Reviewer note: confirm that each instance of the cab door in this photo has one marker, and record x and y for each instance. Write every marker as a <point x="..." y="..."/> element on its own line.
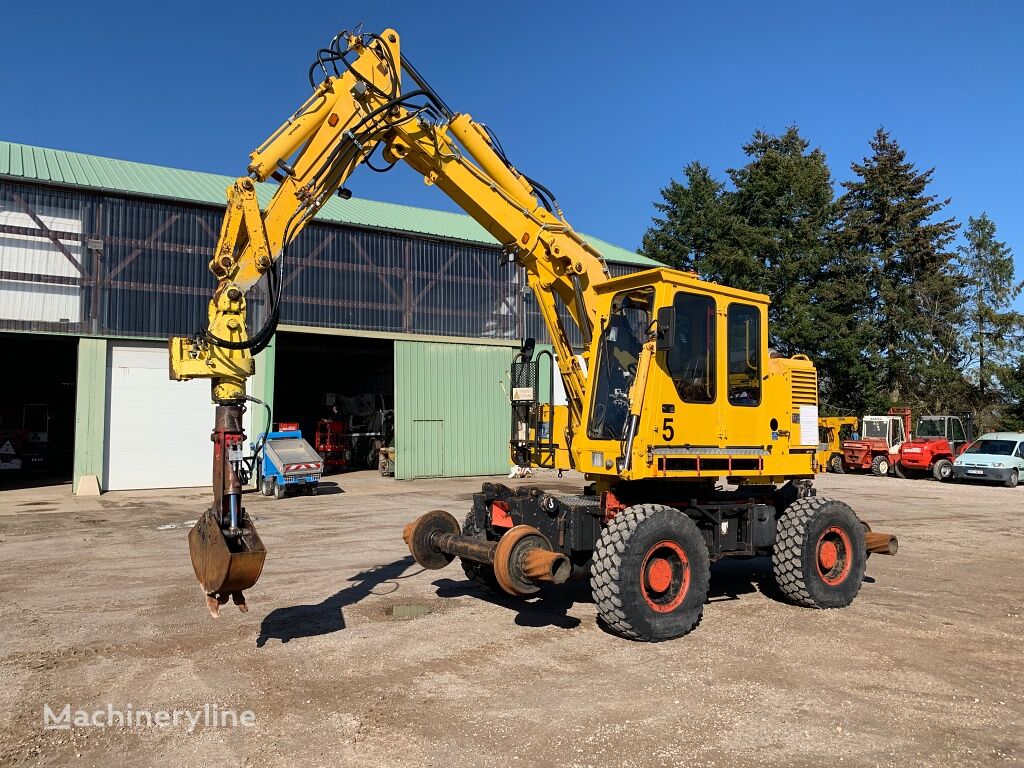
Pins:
<point x="687" y="411"/>
<point x="743" y="363"/>
<point x="896" y="434"/>
<point x="957" y="436"/>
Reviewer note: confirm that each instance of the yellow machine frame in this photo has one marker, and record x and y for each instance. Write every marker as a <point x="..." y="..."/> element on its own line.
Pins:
<point x="829" y="440"/>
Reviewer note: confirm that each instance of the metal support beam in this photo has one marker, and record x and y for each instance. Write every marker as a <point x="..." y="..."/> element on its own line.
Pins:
<point x="46" y="231"/>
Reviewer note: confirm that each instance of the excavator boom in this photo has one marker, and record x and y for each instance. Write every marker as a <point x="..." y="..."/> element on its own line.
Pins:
<point x="357" y="108"/>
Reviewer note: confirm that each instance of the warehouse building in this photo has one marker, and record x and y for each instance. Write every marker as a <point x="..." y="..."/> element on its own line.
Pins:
<point x="102" y="260"/>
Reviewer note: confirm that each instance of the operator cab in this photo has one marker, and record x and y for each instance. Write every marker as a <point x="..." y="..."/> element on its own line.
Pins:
<point x="949" y="427"/>
<point x="888" y="428"/>
<point x="708" y="400"/>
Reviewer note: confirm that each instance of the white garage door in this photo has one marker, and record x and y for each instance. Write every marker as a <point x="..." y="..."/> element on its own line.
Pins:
<point x="158" y="430"/>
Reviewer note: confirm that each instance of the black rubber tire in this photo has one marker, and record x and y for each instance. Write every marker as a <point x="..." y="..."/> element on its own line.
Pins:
<point x="267" y="486"/>
<point x="942" y="470"/>
<point x="617" y="562"/>
<point x="835" y="464"/>
<point x="794" y="557"/>
<point x="1012" y="479"/>
<point x="278" y="490"/>
<point x="898" y="470"/>
<point x="480" y="574"/>
<point x="877" y="465"/>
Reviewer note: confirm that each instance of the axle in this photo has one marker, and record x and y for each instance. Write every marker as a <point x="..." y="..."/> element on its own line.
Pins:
<point x="521" y="559"/>
<point x="881" y="543"/>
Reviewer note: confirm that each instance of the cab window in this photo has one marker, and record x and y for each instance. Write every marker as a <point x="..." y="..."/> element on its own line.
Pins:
<point x="957" y="431"/>
<point x="618" y="355"/>
<point x="691" y="360"/>
<point x="744" y="354"/>
<point x="1020" y="450"/>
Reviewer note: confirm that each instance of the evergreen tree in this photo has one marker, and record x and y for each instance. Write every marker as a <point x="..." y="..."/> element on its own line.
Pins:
<point x="1011" y="416"/>
<point x="693" y="224"/>
<point x="783" y="211"/>
<point x="911" y="307"/>
<point x="771" y="234"/>
<point x="844" y="358"/>
<point x="992" y="331"/>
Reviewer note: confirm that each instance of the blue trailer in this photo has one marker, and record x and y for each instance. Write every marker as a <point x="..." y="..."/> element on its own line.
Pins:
<point x="288" y="463"/>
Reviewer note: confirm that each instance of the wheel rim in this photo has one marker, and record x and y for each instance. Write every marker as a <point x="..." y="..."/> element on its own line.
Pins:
<point x="833" y="555"/>
<point x="883" y="467"/>
<point x="837" y="464"/>
<point x="946" y="470"/>
<point x="665" y="576"/>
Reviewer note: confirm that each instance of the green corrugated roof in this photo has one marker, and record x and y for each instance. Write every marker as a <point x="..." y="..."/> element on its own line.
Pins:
<point x="56" y="166"/>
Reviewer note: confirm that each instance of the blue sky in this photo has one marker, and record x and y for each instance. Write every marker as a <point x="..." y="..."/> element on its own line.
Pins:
<point x="602" y="102"/>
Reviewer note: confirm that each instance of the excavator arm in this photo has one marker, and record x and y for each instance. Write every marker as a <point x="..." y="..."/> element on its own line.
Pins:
<point x="357" y="108"/>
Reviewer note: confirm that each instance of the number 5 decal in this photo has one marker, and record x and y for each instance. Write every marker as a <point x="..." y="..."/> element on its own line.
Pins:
<point x="667" y="431"/>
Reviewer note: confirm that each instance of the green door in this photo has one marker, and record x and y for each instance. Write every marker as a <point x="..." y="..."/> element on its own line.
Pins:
<point x="428" y="444"/>
<point x="452" y="413"/>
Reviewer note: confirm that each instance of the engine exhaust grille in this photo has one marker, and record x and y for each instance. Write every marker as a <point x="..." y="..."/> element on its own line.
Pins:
<point x="805" y="388"/>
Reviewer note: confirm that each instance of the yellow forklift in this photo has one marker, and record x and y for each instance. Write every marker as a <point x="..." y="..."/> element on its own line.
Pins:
<point x="832" y="431"/>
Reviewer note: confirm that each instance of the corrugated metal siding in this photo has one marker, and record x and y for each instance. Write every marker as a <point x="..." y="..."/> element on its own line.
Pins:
<point x="451" y="394"/>
<point x="103" y="173"/>
<point x="41" y="278"/>
<point x="142" y="271"/>
<point x="350" y="278"/>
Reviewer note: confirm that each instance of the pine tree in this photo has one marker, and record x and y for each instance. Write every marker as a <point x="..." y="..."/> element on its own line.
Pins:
<point x="771" y="234"/>
<point x="1011" y="416"/>
<point x="693" y="224"/>
<point x="783" y="210"/>
<point x="911" y="306"/>
<point x="992" y="330"/>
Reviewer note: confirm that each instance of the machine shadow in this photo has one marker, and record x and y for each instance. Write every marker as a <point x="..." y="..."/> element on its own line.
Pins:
<point x="548" y="608"/>
<point x="328" y="616"/>
<point x="733" y="577"/>
<point x="328" y="488"/>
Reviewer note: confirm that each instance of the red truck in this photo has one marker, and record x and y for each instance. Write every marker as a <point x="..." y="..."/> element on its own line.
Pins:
<point x="938" y="440"/>
<point x="24" y="439"/>
<point x="877" y="448"/>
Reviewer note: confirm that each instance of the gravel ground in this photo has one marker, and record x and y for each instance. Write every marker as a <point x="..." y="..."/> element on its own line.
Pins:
<point x="100" y="608"/>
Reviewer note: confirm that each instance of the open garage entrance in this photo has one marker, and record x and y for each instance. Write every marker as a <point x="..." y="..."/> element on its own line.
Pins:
<point x="346" y="381"/>
<point x="37" y="410"/>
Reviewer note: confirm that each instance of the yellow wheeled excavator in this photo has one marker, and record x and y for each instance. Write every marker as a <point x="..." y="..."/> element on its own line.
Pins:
<point x="674" y="391"/>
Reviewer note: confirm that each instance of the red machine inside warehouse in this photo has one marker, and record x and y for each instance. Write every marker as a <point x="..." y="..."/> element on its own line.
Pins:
<point x="937" y="441"/>
<point x="357" y="428"/>
<point x="332" y="443"/>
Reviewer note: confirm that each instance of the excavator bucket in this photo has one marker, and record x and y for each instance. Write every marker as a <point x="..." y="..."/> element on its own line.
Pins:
<point x="225" y="563"/>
